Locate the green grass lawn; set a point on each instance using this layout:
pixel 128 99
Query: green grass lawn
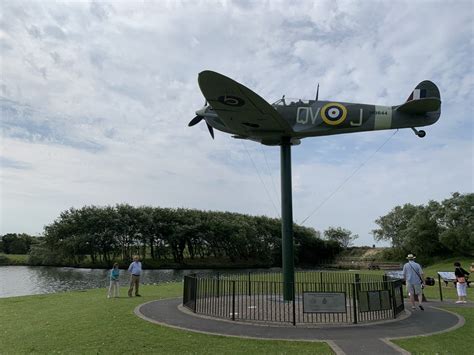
pixel 89 323
pixel 457 342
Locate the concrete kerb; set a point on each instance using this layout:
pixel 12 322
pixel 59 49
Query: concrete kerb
pixel 334 336
pixel 459 324
pixel 403 316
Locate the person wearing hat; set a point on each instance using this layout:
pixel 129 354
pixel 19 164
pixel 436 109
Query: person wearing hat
pixel 413 275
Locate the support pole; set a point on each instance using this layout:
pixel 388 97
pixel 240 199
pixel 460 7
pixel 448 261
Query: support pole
pixel 287 221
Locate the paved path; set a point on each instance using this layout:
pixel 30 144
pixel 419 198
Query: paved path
pixel 346 339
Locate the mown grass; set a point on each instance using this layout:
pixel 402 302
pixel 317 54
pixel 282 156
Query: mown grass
pixel 89 323
pixel 458 342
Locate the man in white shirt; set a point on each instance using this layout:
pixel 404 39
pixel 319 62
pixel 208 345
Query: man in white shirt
pixel 413 275
pixel 135 270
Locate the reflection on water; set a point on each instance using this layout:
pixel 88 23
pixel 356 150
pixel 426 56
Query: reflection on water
pixel 31 280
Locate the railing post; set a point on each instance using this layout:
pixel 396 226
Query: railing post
pixel 385 282
pixel 440 289
pixel 195 292
pixel 184 290
pixel 394 301
pixel 354 302
pixel 233 300
pixel 218 284
pixel 250 286
pixel 294 309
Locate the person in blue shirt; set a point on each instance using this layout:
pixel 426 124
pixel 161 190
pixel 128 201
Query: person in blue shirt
pixel 135 270
pixel 114 281
pixel 413 275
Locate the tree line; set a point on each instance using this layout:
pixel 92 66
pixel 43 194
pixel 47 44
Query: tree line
pixel 13 243
pixel 179 236
pixel 436 229
pixel 95 235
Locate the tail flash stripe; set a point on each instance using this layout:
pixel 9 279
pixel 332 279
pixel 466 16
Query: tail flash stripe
pixel 416 94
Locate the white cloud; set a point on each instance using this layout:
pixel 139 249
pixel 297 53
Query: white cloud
pixel 123 75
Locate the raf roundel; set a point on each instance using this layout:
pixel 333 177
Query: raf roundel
pixel 231 100
pixel 333 113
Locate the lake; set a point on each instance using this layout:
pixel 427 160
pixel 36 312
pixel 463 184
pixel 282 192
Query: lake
pixel 32 280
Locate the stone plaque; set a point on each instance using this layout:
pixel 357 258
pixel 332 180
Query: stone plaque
pixel 324 302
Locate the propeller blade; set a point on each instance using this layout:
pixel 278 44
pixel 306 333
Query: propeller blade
pixel 195 121
pixel 211 130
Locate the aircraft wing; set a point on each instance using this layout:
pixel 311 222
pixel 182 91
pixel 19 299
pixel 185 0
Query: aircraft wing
pixel 241 110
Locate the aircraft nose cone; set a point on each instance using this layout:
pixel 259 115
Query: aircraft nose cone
pixel 201 112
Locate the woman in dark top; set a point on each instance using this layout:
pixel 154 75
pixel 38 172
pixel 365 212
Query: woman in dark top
pixel 461 282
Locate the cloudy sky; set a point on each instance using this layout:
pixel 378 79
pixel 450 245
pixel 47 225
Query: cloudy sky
pixel 95 99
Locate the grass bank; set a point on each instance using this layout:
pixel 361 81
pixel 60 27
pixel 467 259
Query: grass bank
pixel 87 322
pixel 449 291
pixel 13 259
pixel 458 341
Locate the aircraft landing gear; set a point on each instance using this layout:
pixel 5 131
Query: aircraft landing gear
pixel 419 133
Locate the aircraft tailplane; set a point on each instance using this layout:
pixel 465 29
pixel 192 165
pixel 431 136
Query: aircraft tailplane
pixel 423 99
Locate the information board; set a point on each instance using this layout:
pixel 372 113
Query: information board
pixel 324 302
pixel 374 300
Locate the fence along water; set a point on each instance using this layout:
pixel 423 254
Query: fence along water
pixel 319 297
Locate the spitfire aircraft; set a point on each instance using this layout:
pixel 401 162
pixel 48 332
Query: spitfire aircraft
pixel 237 110
pixel 233 108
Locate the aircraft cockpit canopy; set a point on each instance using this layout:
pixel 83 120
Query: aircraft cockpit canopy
pixel 288 101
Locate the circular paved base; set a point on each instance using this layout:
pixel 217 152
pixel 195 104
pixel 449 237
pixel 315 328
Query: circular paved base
pixel 350 339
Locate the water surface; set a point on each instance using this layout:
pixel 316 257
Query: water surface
pixel 31 280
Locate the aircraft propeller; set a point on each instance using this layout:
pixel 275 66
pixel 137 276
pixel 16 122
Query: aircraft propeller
pixel 199 118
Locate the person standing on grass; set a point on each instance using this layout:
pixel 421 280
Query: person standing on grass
pixel 114 281
pixel 135 270
pixel 413 275
pixel 461 282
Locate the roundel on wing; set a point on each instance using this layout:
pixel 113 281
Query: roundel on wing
pixel 333 113
pixel 230 100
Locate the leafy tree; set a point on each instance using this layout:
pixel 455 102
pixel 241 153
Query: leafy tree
pixel 13 243
pixel 106 233
pixel 456 222
pixel 444 228
pixel 422 235
pixel 340 235
pixel 392 225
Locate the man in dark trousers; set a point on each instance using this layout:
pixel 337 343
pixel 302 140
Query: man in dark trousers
pixel 413 275
pixel 135 270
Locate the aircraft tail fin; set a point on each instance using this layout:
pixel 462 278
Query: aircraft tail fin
pixel 424 98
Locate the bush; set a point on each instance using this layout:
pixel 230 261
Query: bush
pixel 40 255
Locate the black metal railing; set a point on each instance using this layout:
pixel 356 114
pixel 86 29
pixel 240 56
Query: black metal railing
pixel 319 297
